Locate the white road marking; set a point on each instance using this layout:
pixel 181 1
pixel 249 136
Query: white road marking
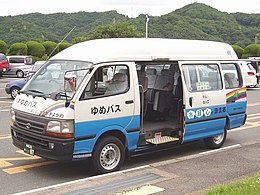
pixel 81 180
pixel 6 102
pixel 7 110
pixel 5 97
pixel 221 149
pixel 123 171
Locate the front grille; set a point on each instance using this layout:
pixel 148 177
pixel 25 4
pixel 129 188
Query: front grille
pixel 30 122
pixel 32 140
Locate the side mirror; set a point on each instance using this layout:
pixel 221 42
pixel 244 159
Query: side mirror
pixel 70 82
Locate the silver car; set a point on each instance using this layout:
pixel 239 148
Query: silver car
pixel 19 65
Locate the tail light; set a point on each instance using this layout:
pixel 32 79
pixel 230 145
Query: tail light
pixel 251 73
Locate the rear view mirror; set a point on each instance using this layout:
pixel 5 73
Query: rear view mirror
pixel 70 83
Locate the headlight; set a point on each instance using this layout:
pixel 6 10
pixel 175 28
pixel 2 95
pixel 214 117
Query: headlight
pixel 61 129
pixel 13 120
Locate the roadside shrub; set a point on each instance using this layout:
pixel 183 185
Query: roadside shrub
pixel 64 45
pixel 3 47
pixel 49 48
pixel 239 50
pixel 35 49
pixel 18 49
pixel 250 51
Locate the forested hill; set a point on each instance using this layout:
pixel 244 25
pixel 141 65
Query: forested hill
pixel 194 21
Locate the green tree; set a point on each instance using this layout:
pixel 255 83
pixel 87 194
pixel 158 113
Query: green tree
pixel 3 47
pixel 239 50
pixel 78 39
pixel 258 51
pixel 64 45
pixel 18 49
pixel 117 30
pixel 50 48
pixel 35 49
pixel 250 50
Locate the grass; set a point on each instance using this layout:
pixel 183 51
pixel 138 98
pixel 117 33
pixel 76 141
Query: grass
pixel 249 186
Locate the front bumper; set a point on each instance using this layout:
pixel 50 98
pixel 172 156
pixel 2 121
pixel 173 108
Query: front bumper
pixel 62 150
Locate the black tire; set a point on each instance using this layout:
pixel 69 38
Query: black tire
pixel 20 74
pixel 216 141
pixel 252 86
pixel 108 155
pixel 14 91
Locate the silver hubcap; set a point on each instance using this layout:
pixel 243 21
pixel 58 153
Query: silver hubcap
pixel 19 74
pixel 14 93
pixel 110 156
pixel 218 138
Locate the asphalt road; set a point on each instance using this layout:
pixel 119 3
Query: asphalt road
pixel 19 172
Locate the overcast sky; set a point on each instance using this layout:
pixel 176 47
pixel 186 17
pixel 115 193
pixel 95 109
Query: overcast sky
pixel 131 8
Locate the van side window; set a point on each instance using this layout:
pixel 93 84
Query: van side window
pixel 107 81
pixel 205 77
pixel 231 76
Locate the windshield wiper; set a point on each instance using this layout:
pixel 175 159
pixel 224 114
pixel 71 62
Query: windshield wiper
pixel 33 92
pixel 58 95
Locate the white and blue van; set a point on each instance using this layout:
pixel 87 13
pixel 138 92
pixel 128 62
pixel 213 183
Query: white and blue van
pixel 110 98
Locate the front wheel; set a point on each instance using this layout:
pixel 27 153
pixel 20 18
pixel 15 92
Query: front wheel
pixel 216 141
pixel 14 91
pixel 108 155
pixel 20 74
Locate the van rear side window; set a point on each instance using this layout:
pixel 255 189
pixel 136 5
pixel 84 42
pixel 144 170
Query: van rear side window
pixel 231 76
pixel 203 77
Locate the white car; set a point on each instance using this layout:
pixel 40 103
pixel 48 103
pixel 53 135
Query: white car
pixel 248 73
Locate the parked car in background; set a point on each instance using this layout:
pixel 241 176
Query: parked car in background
pixel 14 87
pixel 19 65
pixel 255 61
pixel 34 68
pixel 4 64
pixel 248 73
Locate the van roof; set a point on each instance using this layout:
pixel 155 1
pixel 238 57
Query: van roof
pixel 146 49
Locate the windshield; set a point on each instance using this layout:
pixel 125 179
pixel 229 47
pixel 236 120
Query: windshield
pixel 50 78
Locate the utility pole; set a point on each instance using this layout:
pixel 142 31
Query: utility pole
pixel 146 25
pixel 256 39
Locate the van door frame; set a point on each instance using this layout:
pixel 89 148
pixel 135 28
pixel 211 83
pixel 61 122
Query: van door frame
pixel 204 112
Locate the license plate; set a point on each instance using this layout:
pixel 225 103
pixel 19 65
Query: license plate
pixel 29 149
pixel 4 69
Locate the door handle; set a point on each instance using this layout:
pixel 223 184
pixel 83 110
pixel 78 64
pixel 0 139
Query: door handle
pixel 190 101
pixel 129 101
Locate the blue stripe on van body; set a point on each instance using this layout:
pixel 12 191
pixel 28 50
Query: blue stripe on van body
pixel 204 122
pixel 204 129
pixel 94 129
pixel 236 114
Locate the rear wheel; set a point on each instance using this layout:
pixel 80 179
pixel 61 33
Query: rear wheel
pixel 252 86
pixel 108 155
pixel 14 91
pixel 216 141
pixel 20 74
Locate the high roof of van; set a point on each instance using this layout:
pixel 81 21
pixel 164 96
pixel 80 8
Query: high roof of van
pixel 146 49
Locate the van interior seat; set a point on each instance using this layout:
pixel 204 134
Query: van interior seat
pixel 163 85
pixel 214 80
pixel 118 84
pixel 122 71
pixel 142 79
pixel 164 82
pixel 229 80
pixel 151 74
